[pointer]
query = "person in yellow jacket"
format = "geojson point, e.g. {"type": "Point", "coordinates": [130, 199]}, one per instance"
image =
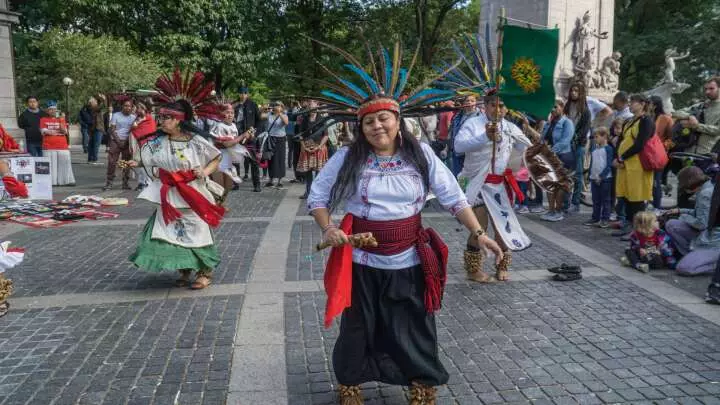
{"type": "Point", "coordinates": [633, 183]}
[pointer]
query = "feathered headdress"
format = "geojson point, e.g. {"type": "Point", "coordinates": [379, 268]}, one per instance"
{"type": "Point", "coordinates": [381, 87]}
{"type": "Point", "coordinates": [190, 89]}
{"type": "Point", "coordinates": [477, 72]}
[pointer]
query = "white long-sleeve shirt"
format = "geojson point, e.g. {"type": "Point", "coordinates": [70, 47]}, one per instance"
{"type": "Point", "coordinates": [389, 188]}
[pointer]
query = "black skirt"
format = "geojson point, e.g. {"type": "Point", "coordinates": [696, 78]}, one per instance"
{"type": "Point", "coordinates": [387, 335]}
{"type": "Point", "coordinates": [277, 162]}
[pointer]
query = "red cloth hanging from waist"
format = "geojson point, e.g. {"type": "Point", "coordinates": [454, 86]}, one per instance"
{"type": "Point", "coordinates": [512, 185]}
{"type": "Point", "coordinates": [393, 237]}
{"type": "Point", "coordinates": [209, 212]}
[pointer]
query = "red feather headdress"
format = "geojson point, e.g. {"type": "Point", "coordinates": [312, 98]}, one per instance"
{"type": "Point", "coordinates": [191, 87]}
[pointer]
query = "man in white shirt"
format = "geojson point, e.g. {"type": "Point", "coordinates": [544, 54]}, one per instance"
{"type": "Point", "coordinates": [489, 177]}
{"type": "Point", "coordinates": [119, 145]}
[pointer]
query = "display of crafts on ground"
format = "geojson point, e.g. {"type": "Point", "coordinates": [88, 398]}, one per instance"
{"type": "Point", "coordinates": [47, 214]}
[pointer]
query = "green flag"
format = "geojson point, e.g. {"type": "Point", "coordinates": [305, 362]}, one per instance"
{"type": "Point", "coordinates": [528, 65]}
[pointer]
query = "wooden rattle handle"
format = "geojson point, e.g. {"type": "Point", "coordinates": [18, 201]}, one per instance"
{"type": "Point", "coordinates": [358, 240]}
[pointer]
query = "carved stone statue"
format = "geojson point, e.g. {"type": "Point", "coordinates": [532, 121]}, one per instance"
{"type": "Point", "coordinates": [581, 39]}
{"type": "Point", "coordinates": [665, 91]}
{"type": "Point", "coordinates": [671, 55]}
{"type": "Point", "coordinates": [608, 76]}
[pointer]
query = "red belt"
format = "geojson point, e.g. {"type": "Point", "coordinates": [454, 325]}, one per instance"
{"type": "Point", "coordinates": [393, 237]}
{"type": "Point", "coordinates": [509, 179]}
{"type": "Point", "coordinates": [209, 212]}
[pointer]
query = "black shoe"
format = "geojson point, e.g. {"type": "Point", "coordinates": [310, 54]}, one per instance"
{"type": "Point", "coordinates": [713, 294]}
{"type": "Point", "coordinates": [621, 232]}
{"type": "Point", "coordinates": [245, 178]}
{"type": "Point", "coordinates": [107, 187]}
{"type": "Point", "coordinates": [257, 189]}
{"type": "Point", "coordinates": [140, 187]}
{"type": "Point", "coordinates": [303, 197]}
{"type": "Point", "coordinates": [565, 269]}
{"type": "Point", "coordinates": [269, 184]}
{"type": "Point", "coordinates": [236, 186]}
{"type": "Point", "coordinates": [567, 277]}
{"type": "Point", "coordinates": [279, 185]}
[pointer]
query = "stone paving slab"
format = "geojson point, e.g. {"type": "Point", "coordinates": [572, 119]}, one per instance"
{"type": "Point", "coordinates": [95, 259]}
{"type": "Point", "coordinates": [599, 340]}
{"type": "Point", "coordinates": [601, 240]}
{"type": "Point", "coordinates": [156, 352]}
{"type": "Point", "coordinates": [305, 264]}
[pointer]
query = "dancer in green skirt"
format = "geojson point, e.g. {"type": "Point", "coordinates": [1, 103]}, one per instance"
{"type": "Point", "coordinates": [178, 163]}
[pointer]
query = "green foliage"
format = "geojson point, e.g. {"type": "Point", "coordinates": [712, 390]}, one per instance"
{"type": "Point", "coordinates": [95, 64]}
{"type": "Point", "coordinates": [645, 28]}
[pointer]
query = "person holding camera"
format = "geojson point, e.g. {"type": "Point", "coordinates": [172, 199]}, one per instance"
{"type": "Point", "coordinates": [704, 118]}
{"type": "Point", "coordinates": [277, 121]}
{"type": "Point", "coordinates": [247, 116]}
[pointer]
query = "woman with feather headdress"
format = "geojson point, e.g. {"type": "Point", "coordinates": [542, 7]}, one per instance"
{"type": "Point", "coordinates": [387, 293]}
{"type": "Point", "coordinates": [178, 163]}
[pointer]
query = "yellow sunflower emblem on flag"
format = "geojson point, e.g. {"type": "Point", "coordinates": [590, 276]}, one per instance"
{"type": "Point", "coordinates": [526, 74]}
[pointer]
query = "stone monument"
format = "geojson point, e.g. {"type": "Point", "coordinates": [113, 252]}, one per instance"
{"type": "Point", "coordinates": [666, 87]}
{"type": "Point", "coordinates": [8, 110]}
{"type": "Point", "coordinates": [586, 38]}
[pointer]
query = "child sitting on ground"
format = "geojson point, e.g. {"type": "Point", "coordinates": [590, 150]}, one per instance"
{"type": "Point", "coordinates": [650, 246]}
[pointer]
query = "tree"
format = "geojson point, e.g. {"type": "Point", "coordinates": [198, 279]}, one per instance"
{"type": "Point", "coordinates": [645, 28]}
{"type": "Point", "coordinates": [96, 64]}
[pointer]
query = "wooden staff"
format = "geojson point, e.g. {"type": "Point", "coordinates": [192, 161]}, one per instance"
{"type": "Point", "coordinates": [358, 240]}
{"type": "Point", "coordinates": [498, 65]}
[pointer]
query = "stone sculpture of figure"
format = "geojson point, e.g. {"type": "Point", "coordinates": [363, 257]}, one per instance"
{"type": "Point", "coordinates": [582, 36]}
{"type": "Point", "coordinates": [665, 91]}
{"type": "Point", "coordinates": [585, 69]}
{"type": "Point", "coordinates": [671, 55]}
{"type": "Point", "coordinates": [608, 76]}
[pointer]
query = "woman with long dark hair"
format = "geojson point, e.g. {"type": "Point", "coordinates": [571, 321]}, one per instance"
{"type": "Point", "coordinates": [387, 294]}
{"type": "Point", "coordinates": [576, 108]}
{"type": "Point", "coordinates": [178, 163]}
{"type": "Point", "coordinates": [633, 182]}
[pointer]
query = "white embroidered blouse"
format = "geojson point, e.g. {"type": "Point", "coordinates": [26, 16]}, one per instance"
{"type": "Point", "coordinates": [389, 188]}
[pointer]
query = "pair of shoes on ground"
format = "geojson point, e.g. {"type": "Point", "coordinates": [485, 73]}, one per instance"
{"type": "Point", "coordinates": [272, 185]}
{"type": "Point", "coordinates": [598, 224]}
{"type": "Point", "coordinates": [566, 272]}
{"type": "Point", "coordinates": [641, 267]}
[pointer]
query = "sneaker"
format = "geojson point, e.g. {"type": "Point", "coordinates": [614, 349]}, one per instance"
{"type": "Point", "coordinates": [713, 294]}
{"type": "Point", "coordinates": [257, 189]}
{"type": "Point", "coordinates": [603, 225]}
{"type": "Point", "coordinates": [269, 184]}
{"type": "Point", "coordinates": [279, 185]}
{"type": "Point", "coordinates": [591, 223]}
{"type": "Point", "coordinates": [547, 216]}
{"type": "Point", "coordinates": [574, 209]}
{"type": "Point", "coordinates": [558, 217]}
{"type": "Point", "coordinates": [643, 267]}
{"type": "Point", "coordinates": [523, 210]}
{"type": "Point", "coordinates": [107, 187]}
{"type": "Point", "coordinates": [537, 210]}
{"type": "Point", "coordinates": [613, 217]}
{"type": "Point", "coordinates": [245, 177]}
{"type": "Point", "coordinates": [625, 261]}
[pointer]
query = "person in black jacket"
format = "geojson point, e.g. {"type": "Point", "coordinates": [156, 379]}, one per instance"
{"type": "Point", "coordinates": [86, 118]}
{"type": "Point", "coordinates": [577, 110]}
{"type": "Point", "coordinates": [247, 115]}
{"type": "Point", "coordinates": [29, 120]}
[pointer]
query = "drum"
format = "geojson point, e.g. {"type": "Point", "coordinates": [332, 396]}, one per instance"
{"type": "Point", "coordinates": [546, 169]}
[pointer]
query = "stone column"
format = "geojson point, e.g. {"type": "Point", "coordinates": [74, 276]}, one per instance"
{"type": "Point", "coordinates": [8, 110]}
{"type": "Point", "coordinates": [564, 15]}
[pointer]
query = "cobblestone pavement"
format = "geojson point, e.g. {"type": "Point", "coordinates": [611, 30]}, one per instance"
{"type": "Point", "coordinates": [86, 327]}
{"type": "Point", "coordinates": [602, 241]}
{"type": "Point", "coordinates": [594, 341]}
{"type": "Point", "coordinates": [155, 352]}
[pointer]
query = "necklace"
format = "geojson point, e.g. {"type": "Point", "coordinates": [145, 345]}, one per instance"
{"type": "Point", "coordinates": [384, 163]}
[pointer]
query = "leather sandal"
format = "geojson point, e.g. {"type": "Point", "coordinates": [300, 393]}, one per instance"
{"type": "Point", "coordinates": [184, 280]}
{"type": "Point", "coordinates": [202, 280]}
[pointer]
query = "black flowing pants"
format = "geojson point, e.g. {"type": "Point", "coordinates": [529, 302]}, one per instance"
{"type": "Point", "coordinates": [386, 335]}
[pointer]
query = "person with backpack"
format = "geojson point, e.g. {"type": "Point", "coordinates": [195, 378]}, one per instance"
{"type": "Point", "coordinates": [634, 183]}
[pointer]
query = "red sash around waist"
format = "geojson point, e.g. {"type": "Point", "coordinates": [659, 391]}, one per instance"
{"type": "Point", "coordinates": [209, 212]}
{"type": "Point", "coordinates": [393, 237]}
{"type": "Point", "coordinates": [510, 182]}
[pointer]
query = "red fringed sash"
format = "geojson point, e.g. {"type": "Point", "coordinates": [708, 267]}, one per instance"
{"type": "Point", "coordinates": [209, 212]}
{"type": "Point", "coordinates": [509, 179]}
{"type": "Point", "coordinates": [393, 237]}
{"type": "Point", "coordinates": [15, 187]}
